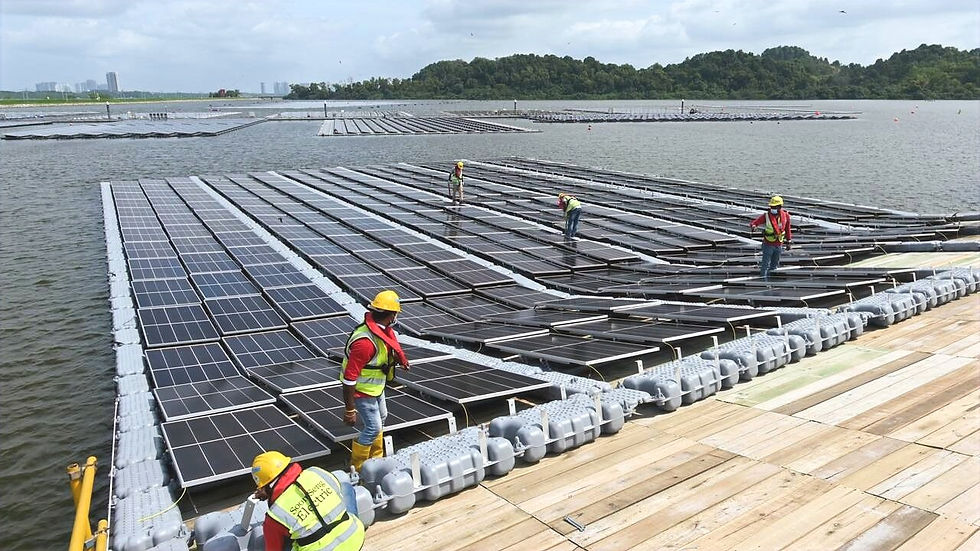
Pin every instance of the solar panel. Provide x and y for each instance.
(149, 249)
(304, 302)
(176, 325)
(572, 350)
(426, 282)
(595, 304)
(155, 268)
(324, 410)
(206, 449)
(367, 286)
(209, 262)
(462, 382)
(164, 292)
(207, 244)
(418, 354)
(301, 375)
(130, 235)
(282, 274)
(483, 332)
(224, 284)
(420, 316)
(471, 307)
(692, 312)
(471, 273)
(517, 296)
(545, 318)
(243, 314)
(274, 347)
(328, 336)
(750, 294)
(189, 364)
(195, 399)
(639, 331)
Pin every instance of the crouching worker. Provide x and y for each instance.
(309, 509)
(370, 357)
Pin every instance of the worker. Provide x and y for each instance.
(370, 357)
(572, 208)
(456, 184)
(776, 234)
(309, 509)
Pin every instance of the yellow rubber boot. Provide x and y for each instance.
(378, 447)
(359, 454)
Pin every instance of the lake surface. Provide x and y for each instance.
(57, 362)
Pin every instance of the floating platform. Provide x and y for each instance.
(135, 128)
(688, 117)
(379, 126)
(232, 297)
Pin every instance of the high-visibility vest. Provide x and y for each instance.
(372, 379)
(454, 179)
(571, 203)
(775, 232)
(312, 509)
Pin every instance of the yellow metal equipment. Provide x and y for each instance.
(81, 480)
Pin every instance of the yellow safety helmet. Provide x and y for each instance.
(459, 164)
(267, 466)
(386, 300)
(562, 194)
(776, 201)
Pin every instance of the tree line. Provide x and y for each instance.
(783, 72)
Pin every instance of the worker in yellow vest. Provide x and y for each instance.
(370, 357)
(777, 233)
(572, 208)
(456, 184)
(309, 509)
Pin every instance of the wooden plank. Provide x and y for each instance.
(847, 525)
(530, 533)
(968, 445)
(964, 506)
(954, 431)
(923, 407)
(821, 435)
(810, 375)
(737, 417)
(697, 499)
(833, 450)
(612, 520)
(787, 440)
(946, 487)
(629, 470)
(632, 486)
(937, 419)
(706, 410)
(749, 432)
(858, 459)
(830, 392)
(851, 403)
(971, 544)
(688, 420)
(915, 476)
(684, 533)
(781, 435)
(942, 534)
(786, 530)
(887, 466)
(892, 531)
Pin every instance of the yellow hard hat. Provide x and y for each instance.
(386, 300)
(267, 466)
(562, 194)
(776, 201)
(459, 164)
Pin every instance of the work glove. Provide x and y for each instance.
(789, 245)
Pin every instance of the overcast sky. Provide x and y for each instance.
(202, 45)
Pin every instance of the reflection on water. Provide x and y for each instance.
(57, 362)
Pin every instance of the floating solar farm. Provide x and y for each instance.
(135, 128)
(371, 126)
(234, 295)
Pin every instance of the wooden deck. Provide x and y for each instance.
(872, 445)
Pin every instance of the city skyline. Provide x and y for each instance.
(184, 45)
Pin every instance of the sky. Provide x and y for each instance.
(204, 45)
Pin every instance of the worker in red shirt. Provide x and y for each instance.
(309, 509)
(776, 234)
(370, 357)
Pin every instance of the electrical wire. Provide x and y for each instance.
(601, 378)
(174, 504)
(466, 415)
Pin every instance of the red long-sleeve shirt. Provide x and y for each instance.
(782, 221)
(276, 535)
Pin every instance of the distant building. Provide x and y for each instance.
(262, 87)
(46, 86)
(87, 86)
(112, 81)
(281, 88)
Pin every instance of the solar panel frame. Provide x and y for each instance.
(234, 439)
(252, 350)
(155, 268)
(151, 293)
(243, 314)
(466, 388)
(482, 332)
(300, 375)
(189, 364)
(569, 350)
(198, 263)
(328, 336)
(224, 284)
(303, 302)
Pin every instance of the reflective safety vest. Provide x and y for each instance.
(372, 379)
(775, 230)
(312, 509)
(571, 203)
(455, 180)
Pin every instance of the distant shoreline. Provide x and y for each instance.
(30, 103)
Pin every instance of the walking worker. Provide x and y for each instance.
(370, 357)
(456, 184)
(572, 208)
(309, 509)
(776, 234)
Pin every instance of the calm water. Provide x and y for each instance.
(56, 365)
